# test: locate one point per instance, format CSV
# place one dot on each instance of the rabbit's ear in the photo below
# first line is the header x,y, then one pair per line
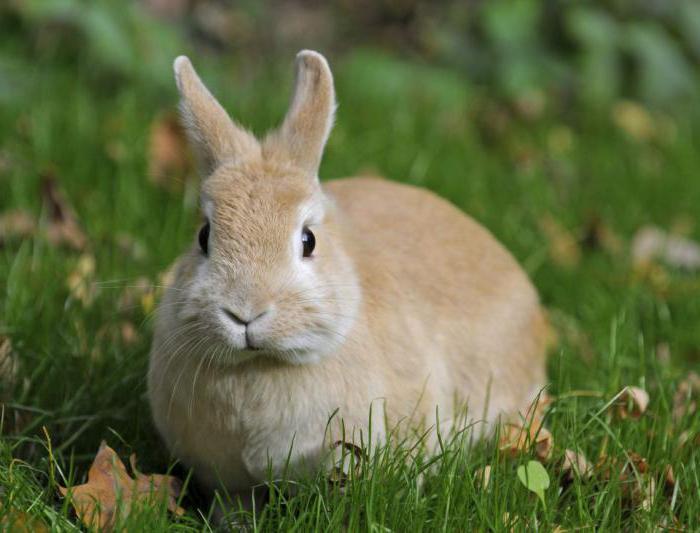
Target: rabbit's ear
x,y
214,136
308,123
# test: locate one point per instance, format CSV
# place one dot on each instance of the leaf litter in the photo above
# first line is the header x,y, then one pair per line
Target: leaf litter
x,y
111,494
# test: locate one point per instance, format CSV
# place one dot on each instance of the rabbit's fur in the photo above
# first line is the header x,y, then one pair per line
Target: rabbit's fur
x,y
407,307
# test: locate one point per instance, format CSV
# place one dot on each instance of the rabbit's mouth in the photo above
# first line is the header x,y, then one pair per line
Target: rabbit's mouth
x,y
251,348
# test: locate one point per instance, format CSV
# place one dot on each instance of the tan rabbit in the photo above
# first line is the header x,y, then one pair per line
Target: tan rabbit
x,y
299,303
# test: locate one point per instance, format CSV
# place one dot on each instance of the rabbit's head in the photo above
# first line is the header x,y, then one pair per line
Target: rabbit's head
x,y
267,274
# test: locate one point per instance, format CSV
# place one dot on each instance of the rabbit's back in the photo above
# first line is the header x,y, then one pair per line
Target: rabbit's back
x,y
452,313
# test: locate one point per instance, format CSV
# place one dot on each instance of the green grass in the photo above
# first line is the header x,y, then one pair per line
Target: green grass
x,y
80,380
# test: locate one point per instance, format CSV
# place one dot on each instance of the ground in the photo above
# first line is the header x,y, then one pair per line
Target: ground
x,y
566,191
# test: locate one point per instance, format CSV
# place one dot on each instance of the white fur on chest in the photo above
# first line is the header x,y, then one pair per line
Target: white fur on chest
x,y
233,427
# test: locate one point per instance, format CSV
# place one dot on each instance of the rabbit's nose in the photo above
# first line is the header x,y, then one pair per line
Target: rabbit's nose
x,y
237,318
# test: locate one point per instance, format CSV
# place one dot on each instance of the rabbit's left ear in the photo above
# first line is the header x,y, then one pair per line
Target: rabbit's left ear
x,y
305,129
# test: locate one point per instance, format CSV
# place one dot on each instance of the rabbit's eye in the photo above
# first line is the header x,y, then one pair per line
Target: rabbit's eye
x,y
204,238
308,241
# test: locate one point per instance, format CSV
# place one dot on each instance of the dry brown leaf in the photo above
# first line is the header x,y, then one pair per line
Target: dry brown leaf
x,y
646,493
513,522
651,243
18,521
685,400
62,227
348,459
575,464
130,246
16,224
631,402
529,432
564,249
133,294
637,485
483,476
8,364
14,419
531,104
560,140
671,523
663,353
128,332
159,484
688,437
80,281
634,120
168,152
167,9
669,480
516,439
598,235
110,493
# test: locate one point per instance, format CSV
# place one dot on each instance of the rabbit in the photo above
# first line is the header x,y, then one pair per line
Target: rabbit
x,y
372,303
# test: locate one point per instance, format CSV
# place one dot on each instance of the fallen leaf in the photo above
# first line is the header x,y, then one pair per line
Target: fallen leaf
x,y
669,480
686,396
530,104
651,243
663,353
646,493
158,483
597,235
128,333
14,419
631,402
535,478
560,140
689,437
564,249
80,281
8,365
483,476
215,21
137,294
110,493
128,245
513,523
16,224
169,10
348,462
637,485
18,521
671,523
575,464
62,227
634,120
518,438
168,152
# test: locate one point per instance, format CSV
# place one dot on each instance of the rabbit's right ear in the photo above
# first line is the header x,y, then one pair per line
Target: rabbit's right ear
x,y
214,136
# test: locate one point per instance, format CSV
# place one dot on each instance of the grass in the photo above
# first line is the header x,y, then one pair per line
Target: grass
x,y
81,380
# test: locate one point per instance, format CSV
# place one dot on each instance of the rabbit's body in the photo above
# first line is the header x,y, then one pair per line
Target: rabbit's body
x,y
408,306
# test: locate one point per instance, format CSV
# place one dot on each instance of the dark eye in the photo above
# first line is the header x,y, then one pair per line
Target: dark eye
x,y
204,238
308,241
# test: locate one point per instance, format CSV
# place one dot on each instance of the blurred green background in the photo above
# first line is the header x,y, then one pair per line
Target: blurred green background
x,y
569,128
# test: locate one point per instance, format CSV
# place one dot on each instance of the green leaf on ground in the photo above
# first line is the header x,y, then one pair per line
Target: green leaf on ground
x,y
535,478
